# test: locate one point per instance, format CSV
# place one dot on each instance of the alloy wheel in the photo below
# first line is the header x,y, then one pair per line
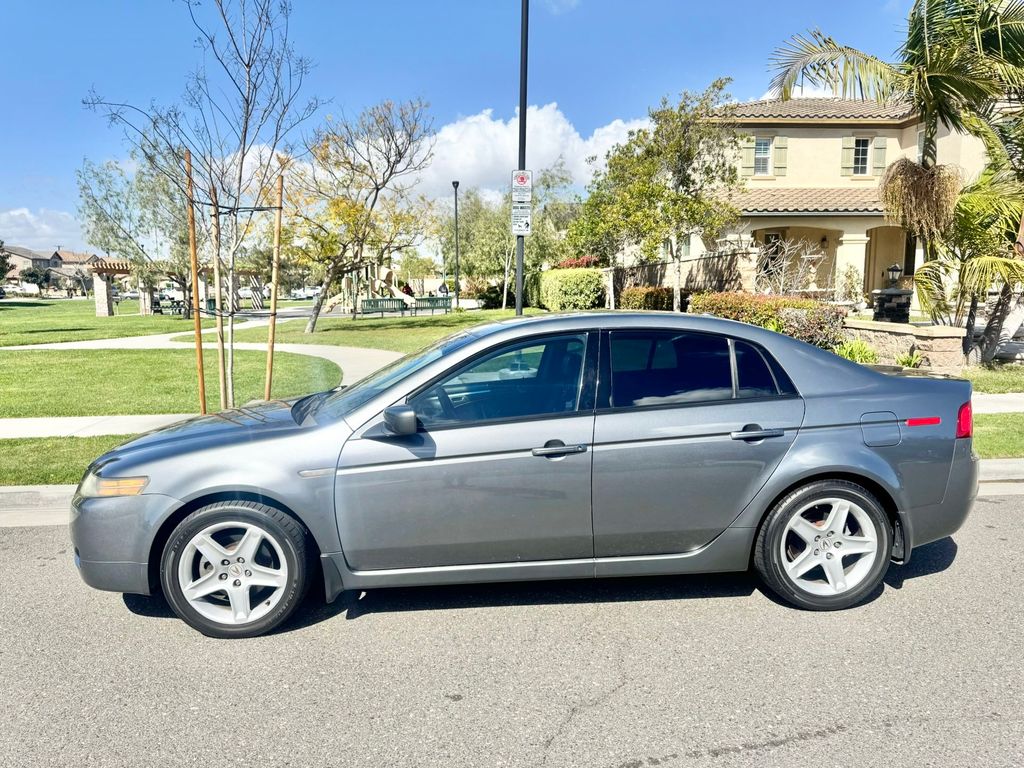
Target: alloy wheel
x,y
233,572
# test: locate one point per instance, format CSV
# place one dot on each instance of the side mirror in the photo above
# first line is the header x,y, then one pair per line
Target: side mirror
x,y
401,420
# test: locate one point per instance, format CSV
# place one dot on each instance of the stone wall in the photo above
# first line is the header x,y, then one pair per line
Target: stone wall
x,y
940,346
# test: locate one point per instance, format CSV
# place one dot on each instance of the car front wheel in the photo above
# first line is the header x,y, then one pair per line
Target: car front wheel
x,y
235,569
825,546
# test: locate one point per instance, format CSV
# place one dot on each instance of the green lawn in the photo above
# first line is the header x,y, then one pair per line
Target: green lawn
x,y
998,379
42,321
51,460
400,334
89,382
999,435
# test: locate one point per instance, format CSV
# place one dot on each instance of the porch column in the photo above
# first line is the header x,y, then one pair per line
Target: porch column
x,y
104,296
851,251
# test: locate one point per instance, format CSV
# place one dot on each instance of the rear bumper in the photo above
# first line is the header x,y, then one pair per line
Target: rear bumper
x,y
113,536
924,525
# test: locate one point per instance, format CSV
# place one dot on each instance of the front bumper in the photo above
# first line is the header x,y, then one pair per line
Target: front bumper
x,y
924,525
113,537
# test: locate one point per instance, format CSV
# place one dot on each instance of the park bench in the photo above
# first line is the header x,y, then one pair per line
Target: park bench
x,y
432,303
373,306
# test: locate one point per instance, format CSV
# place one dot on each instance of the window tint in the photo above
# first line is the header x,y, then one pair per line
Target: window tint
x,y
533,378
651,368
752,372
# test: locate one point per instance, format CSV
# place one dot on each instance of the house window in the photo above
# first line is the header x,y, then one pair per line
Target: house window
x,y
920,145
684,245
861,150
762,156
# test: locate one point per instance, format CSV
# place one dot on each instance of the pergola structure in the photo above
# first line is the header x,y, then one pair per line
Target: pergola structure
x,y
105,271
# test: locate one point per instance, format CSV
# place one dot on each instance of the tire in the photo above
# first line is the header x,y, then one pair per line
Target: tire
x,y
246,568
800,544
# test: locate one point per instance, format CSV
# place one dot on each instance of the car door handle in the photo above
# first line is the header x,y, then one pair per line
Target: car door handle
x,y
754,432
559,450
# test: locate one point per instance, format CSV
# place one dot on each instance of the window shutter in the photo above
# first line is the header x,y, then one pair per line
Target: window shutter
x,y
780,145
878,155
747,157
846,166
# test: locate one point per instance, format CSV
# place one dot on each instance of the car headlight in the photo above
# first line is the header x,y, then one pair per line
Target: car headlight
x,y
93,485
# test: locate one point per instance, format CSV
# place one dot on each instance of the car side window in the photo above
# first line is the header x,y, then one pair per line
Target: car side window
x,y
754,378
652,368
539,377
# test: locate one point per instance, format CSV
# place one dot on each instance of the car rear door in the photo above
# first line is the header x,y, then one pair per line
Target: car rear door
x,y
689,427
499,472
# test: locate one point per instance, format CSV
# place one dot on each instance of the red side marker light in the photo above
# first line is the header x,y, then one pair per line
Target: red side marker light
x,y
924,421
965,421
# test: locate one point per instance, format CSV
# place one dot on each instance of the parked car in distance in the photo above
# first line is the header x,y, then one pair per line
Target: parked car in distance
x,y
3,293
305,293
631,444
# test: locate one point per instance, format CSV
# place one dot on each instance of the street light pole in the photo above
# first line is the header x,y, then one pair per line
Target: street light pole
x,y
455,186
524,34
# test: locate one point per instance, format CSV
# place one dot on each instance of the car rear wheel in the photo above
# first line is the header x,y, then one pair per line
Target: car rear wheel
x,y
235,569
824,547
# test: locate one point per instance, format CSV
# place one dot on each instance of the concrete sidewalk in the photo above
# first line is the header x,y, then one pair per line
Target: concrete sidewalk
x,y
28,505
1011,402
86,426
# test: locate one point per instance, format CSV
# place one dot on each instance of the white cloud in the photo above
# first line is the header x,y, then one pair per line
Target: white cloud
x,y
803,92
43,229
481,150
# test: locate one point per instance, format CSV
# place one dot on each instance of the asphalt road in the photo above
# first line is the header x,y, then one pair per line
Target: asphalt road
x,y
627,673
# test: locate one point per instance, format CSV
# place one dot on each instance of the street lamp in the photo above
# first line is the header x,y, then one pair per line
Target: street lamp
x,y
455,186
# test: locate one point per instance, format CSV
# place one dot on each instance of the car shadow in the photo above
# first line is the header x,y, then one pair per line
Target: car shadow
x,y
926,560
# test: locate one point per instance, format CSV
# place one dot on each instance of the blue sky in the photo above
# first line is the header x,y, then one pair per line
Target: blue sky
x,y
595,68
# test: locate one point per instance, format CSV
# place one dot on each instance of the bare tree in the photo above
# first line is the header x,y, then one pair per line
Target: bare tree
x,y
352,203
240,105
788,267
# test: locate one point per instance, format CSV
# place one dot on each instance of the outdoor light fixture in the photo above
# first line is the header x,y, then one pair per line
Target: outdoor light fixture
x,y
894,272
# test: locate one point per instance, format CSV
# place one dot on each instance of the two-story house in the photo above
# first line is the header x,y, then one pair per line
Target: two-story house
x,y
811,169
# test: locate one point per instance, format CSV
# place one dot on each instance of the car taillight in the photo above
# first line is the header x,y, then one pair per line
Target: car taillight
x,y
965,420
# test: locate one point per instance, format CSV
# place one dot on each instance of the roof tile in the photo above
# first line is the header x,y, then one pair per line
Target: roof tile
x,y
810,200
823,109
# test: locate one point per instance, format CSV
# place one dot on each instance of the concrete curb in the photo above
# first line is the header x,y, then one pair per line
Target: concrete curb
x,y
29,505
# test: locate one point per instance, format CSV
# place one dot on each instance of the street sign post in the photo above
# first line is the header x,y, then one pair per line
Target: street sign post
x,y
522,202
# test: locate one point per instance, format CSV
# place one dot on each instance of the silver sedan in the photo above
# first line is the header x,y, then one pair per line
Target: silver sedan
x,y
625,444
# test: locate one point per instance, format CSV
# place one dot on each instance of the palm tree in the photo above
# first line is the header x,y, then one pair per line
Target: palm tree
x,y
959,59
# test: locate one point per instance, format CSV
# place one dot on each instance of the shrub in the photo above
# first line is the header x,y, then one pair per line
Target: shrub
x,y
909,359
579,262
490,297
805,319
646,297
858,351
562,289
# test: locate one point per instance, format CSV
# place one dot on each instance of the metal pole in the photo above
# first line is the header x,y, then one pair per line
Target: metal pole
x,y
455,186
523,44
197,322
275,269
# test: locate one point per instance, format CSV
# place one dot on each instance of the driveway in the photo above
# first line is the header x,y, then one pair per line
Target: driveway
x,y
670,672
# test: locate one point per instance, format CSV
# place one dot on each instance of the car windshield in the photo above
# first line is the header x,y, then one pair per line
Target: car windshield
x,y
344,401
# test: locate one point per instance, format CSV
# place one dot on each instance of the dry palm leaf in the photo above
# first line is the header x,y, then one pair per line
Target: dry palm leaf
x,y
921,200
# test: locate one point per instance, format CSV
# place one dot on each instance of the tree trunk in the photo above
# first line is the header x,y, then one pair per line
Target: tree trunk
x,y
504,285
972,316
318,302
677,287
232,294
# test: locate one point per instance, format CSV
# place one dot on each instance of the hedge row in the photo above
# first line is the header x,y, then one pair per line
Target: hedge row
x,y
646,297
804,319
568,289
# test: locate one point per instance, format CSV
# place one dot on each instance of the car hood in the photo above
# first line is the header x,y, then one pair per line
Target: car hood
x,y
239,425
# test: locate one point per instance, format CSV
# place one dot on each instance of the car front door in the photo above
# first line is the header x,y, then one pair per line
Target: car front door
x,y
499,471
689,427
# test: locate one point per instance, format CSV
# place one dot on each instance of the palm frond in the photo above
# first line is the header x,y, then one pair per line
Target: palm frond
x,y
821,61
